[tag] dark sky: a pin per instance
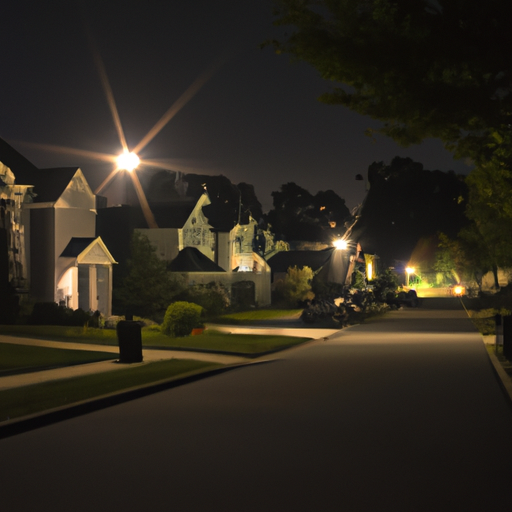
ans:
(255, 120)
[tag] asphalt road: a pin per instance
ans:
(403, 413)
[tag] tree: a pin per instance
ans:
(298, 215)
(467, 255)
(147, 289)
(425, 68)
(405, 204)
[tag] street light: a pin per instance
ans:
(128, 161)
(408, 272)
(340, 244)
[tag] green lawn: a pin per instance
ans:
(216, 341)
(27, 400)
(210, 340)
(22, 358)
(62, 333)
(257, 315)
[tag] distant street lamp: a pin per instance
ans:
(340, 244)
(408, 272)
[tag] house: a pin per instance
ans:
(49, 214)
(191, 214)
(331, 265)
(252, 287)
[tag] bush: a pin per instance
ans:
(295, 288)
(212, 297)
(180, 318)
(50, 313)
(386, 283)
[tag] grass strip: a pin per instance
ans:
(257, 315)
(210, 340)
(62, 333)
(215, 341)
(16, 358)
(18, 402)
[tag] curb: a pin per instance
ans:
(503, 378)
(26, 423)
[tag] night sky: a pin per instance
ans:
(255, 120)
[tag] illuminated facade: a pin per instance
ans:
(43, 211)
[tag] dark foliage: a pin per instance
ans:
(298, 215)
(350, 307)
(406, 204)
(50, 313)
(212, 297)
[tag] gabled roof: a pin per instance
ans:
(283, 260)
(88, 250)
(14, 160)
(49, 184)
(191, 259)
(173, 215)
(76, 246)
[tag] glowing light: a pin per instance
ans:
(128, 161)
(369, 271)
(340, 245)
(458, 290)
(409, 271)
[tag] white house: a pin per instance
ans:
(48, 209)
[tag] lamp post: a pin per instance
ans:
(408, 272)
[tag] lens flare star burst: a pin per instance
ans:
(128, 161)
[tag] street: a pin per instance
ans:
(402, 413)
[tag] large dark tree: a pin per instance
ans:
(407, 204)
(426, 68)
(298, 215)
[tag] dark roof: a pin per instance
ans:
(76, 246)
(14, 160)
(49, 184)
(283, 260)
(173, 215)
(191, 259)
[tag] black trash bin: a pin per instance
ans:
(129, 337)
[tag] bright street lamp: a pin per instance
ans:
(408, 272)
(340, 244)
(128, 161)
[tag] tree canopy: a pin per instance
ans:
(406, 204)
(425, 68)
(298, 215)
(147, 289)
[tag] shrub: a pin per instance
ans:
(386, 283)
(296, 287)
(180, 318)
(50, 313)
(358, 280)
(212, 297)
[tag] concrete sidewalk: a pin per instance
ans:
(149, 355)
